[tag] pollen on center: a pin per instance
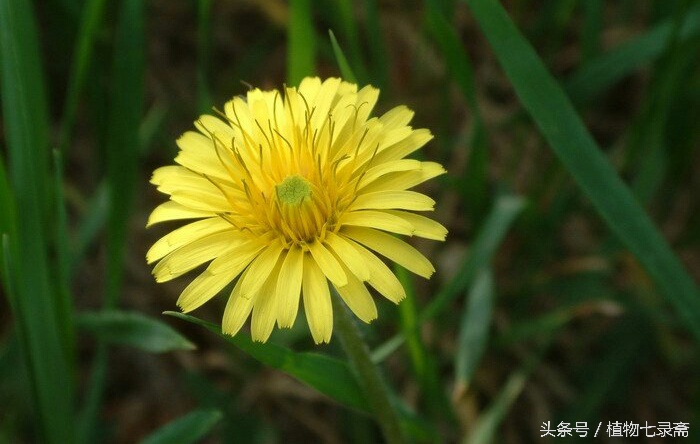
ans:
(293, 190)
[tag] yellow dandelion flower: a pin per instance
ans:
(293, 190)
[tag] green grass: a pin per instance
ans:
(561, 126)
(566, 287)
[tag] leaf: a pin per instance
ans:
(188, 429)
(301, 52)
(7, 203)
(327, 375)
(347, 26)
(474, 181)
(490, 235)
(35, 307)
(603, 71)
(126, 109)
(484, 429)
(133, 329)
(345, 69)
(424, 365)
(562, 128)
(379, 71)
(204, 37)
(93, 10)
(474, 328)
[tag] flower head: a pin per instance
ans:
(294, 190)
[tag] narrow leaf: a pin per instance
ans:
(93, 10)
(122, 135)
(188, 429)
(343, 64)
(562, 128)
(493, 230)
(301, 52)
(35, 311)
(488, 239)
(486, 426)
(603, 71)
(327, 375)
(133, 329)
(474, 329)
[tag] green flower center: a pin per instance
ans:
(293, 190)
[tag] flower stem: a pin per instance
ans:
(367, 372)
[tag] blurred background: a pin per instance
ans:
(547, 305)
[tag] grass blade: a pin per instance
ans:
(345, 69)
(93, 10)
(424, 365)
(36, 308)
(301, 52)
(602, 72)
(347, 24)
(459, 65)
(7, 203)
(327, 375)
(474, 329)
(122, 161)
(379, 71)
(592, 24)
(486, 426)
(204, 33)
(568, 138)
(493, 230)
(92, 222)
(122, 135)
(133, 329)
(60, 235)
(188, 429)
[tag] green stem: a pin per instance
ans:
(367, 372)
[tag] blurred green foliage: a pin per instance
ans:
(566, 287)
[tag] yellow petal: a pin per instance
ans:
(174, 211)
(198, 153)
(328, 263)
(210, 125)
(188, 233)
(317, 302)
(190, 189)
(202, 288)
(237, 309)
(406, 146)
(348, 255)
(382, 220)
(260, 269)
(366, 99)
(238, 257)
(289, 286)
(357, 297)
(394, 166)
(238, 114)
(406, 179)
(220, 272)
(322, 102)
(396, 117)
(381, 278)
(194, 254)
(308, 88)
(393, 248)
(386, 200)
(265, 308)
(422, 226)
